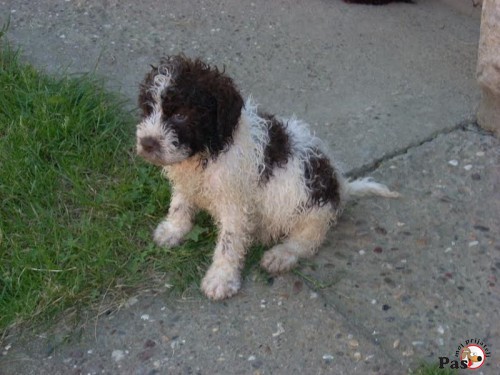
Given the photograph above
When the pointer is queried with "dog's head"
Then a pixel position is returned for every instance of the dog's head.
(187, 107)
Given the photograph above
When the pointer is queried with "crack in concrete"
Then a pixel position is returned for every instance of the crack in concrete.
(468, 124)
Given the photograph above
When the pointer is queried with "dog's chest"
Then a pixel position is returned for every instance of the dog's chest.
(196, 182)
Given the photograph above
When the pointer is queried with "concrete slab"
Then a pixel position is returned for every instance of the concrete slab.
(280, 329)
(370, 80)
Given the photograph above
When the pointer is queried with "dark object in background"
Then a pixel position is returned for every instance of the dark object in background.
(377, 2)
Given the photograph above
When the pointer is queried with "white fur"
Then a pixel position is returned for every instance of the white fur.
(366, 186)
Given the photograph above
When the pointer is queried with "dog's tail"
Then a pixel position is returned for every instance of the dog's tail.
(366, 186)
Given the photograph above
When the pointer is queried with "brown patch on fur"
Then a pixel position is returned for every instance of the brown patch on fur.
(277, 151)
(210, 99)
(321, 180)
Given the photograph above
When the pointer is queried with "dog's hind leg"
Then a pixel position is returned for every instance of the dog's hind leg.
(302, 242)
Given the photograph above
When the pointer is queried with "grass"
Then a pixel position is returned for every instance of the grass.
(77, 207)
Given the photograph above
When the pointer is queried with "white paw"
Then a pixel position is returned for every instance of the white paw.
(168, 235)
(278, 259)
(221, 281)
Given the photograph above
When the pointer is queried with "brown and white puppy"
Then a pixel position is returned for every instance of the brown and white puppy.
(264, 179)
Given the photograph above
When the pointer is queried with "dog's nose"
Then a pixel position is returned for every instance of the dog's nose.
(149, 144)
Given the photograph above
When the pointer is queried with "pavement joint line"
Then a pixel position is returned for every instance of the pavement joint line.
(368, 168)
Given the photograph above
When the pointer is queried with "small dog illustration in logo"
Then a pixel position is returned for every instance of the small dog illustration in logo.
(473, 355)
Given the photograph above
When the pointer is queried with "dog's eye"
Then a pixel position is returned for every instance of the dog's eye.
(175, 144)
(146, 108)
(178, 117)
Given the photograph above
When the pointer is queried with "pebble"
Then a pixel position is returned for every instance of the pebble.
(297, 287)
(251, 358)
(362, 252)
(280, 330)
(473, 243)
(118, 355)
(144, 317)
(480, 153)
(357, 356)
(149, 343)
(395, 344)
(131, 301)
(353, 343)
(453, 162)
(468, 167)
(476, 176)
(440, 330)
(408, 353)
(328, 358)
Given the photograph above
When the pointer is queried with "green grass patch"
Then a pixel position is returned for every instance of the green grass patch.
(77, 207)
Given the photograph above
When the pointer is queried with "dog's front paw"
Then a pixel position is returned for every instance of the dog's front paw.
(168, 235)
(278, 259)
(221, 281)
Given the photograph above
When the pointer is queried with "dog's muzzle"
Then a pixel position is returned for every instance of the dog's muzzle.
(150, 145)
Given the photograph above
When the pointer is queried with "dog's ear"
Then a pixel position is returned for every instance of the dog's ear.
(229, 105)
(145, 99)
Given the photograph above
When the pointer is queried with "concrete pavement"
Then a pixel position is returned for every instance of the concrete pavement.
(392, 90)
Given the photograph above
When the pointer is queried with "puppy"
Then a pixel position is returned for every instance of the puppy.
(264, 179)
